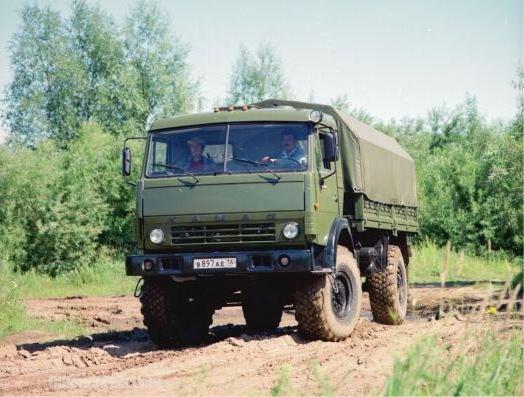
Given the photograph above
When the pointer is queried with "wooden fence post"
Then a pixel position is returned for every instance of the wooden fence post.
(460, 263)
(445, 265)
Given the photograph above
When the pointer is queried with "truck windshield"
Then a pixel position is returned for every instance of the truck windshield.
(233, 148)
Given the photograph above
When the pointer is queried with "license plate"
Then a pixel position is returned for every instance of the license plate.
(215, 263)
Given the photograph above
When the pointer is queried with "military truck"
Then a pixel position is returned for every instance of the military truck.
(278, 204)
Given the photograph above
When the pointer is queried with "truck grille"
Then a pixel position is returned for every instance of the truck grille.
(232, 233)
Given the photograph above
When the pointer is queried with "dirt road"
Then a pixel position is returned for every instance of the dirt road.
(118, 358)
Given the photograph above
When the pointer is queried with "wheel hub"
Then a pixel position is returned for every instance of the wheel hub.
(340, 297)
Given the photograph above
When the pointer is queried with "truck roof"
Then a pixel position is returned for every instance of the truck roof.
(237, 114)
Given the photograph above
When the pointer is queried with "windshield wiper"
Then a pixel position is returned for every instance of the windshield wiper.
(257, 163)
(174, 167)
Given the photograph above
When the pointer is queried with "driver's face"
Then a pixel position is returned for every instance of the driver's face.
(196, 150)
(288, 142)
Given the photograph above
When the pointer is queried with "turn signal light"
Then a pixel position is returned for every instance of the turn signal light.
(284, 260)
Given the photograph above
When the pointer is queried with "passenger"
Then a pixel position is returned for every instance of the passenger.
(196, 161)
(291, 150)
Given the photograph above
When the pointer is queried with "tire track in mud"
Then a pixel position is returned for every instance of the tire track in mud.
(117, 357)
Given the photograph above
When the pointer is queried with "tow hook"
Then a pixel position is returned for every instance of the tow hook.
(139, 287)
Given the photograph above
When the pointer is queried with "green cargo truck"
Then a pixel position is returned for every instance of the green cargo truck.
(271, 205)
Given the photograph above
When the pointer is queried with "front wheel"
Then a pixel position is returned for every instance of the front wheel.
(327, 307)
(173, 315)
(262, 308)
(388, 290)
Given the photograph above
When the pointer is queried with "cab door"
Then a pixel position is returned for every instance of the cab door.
(328, 192)
(327, 206)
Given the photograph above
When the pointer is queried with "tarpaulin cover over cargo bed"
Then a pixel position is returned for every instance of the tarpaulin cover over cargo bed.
(374, 163)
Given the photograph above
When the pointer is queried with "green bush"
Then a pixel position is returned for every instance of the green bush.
(60, 206)
(469, 174)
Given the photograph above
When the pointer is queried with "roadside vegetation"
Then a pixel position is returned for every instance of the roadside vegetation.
(14, 317)
(105, 278)
(482, 362)
(432, 263)
(319, 382)
(479, 362)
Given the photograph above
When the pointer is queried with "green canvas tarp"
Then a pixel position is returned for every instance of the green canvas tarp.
(374, 163)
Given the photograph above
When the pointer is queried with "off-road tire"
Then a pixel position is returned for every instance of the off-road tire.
(388, 290)
(172, 317)
(314, 308)
(262, 308)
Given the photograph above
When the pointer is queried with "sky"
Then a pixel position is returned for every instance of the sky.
(394, 58)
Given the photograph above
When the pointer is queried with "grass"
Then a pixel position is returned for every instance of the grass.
(14, 317)
(321, 385)
(322, 379)
(282, 385)
(427, 264)
(105, 278)
(483, 363)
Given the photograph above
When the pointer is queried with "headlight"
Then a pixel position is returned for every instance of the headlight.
(290, 231)
(156, 236)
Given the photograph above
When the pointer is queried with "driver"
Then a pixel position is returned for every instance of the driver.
(197, 161)
(290, 150)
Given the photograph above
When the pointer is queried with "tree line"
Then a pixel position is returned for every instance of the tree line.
(82, 83)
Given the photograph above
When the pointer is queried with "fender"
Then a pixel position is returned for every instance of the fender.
(338, 226)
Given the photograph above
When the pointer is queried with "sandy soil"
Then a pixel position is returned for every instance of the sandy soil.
(118, 358)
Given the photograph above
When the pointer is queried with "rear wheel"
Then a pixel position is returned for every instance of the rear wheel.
(388, 290)
(172, 316)
(262, 308)
(327, 307)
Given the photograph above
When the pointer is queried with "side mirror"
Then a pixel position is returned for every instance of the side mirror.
(126, 161)
(330, 146)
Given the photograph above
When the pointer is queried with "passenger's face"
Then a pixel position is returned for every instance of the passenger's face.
(196, 150)
(288, 142)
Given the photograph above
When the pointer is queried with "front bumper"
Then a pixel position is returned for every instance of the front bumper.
(247, 262)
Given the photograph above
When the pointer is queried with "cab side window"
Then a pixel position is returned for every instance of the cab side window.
(324, 163)
(317, 153)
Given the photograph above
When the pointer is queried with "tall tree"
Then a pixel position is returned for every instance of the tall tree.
(257, 77)
(110, 96)
(42, 99)
(158, 59)
(95, 43)
(518, 85)
(84, 68)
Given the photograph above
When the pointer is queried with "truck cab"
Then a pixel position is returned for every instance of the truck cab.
(249, 206)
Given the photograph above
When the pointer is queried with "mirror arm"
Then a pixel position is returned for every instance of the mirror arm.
(133, 138)
(323, 178)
